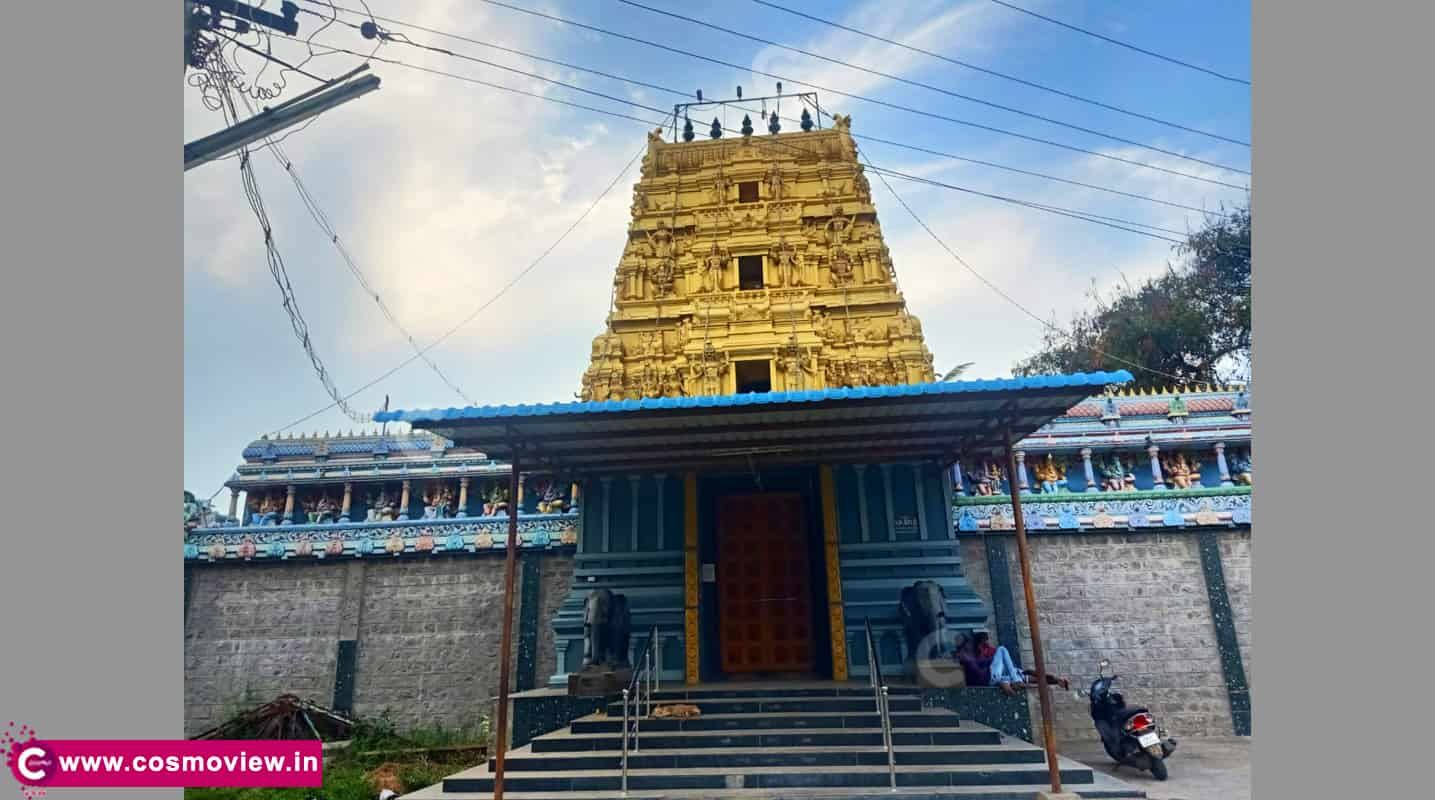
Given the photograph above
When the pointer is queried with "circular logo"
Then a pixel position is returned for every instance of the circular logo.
(34, 764)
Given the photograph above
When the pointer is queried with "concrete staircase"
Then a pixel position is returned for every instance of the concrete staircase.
(797, 741)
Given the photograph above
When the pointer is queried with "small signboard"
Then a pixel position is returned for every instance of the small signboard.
(905, 523)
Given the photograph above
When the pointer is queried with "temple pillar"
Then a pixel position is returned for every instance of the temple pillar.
(573, 496)
(234, 502)
(288, 518)
(1157, 482)
(462, 497)
(1225, 471)
(1021, 472)
(633, 486)
(404, 501)
(519, 499)
(348, 501)
(1086, 467)
(957, 479)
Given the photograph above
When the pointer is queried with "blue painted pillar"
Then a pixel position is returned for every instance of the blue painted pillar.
(607, 510)
(1021, 471)
(957, 479)
(1157, 482)
(1086, 467)
(1225, 471)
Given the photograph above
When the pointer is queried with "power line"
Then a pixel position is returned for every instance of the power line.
(860, 137)
(1110, 222)
(586, 212)
(276, 261)
(322, 220)
(1066, 212)
(1033, 84)
(891, 77)
(1119, 43)
(998, 289)
(874, 101)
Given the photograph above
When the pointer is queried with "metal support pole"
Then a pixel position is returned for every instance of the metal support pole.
(887, 736)
(625, 741)
(505, 646)
(1042, 690)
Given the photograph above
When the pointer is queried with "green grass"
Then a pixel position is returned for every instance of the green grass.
(344, 776)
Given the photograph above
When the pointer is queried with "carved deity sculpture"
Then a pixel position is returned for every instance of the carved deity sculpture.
(785, 257)
(550, 496)
(1050, 474)
(438, 502)
(664, 272)
(320, 510)
(841, 266)
(862, 188)
(774, 180)
(720, 187)
(713, 265)
(790, 362)
(673, 382)
(269, 509)
(495, 499)
(708, 371)
(1240, 466)
(1181, 474)
(1115, 477)
(382, 507)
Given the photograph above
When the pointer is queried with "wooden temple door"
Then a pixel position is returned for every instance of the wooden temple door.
(764, 584)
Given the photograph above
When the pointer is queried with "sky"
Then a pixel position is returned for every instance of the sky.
(443, 190)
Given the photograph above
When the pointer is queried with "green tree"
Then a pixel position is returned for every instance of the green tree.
(1190, 324)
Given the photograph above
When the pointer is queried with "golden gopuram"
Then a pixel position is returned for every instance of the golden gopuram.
(754, 262)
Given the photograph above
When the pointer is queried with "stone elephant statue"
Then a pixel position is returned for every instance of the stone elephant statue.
(923, 611)
(607, 626)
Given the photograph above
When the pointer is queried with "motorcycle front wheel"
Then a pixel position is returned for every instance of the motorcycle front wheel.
(1158, 768)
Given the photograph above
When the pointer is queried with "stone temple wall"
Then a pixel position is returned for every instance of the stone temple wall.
(427, 634)
(1141, 601)
(427, 630)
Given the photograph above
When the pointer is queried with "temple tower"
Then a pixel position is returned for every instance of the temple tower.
(754, 262)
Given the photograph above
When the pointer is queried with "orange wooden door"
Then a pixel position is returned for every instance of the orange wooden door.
(764, 584)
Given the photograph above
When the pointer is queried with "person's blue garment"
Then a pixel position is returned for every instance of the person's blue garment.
(1004, 670)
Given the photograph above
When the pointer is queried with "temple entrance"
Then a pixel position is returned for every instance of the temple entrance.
(765, 604)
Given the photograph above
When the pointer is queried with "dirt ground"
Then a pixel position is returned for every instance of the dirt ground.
(1205, 768)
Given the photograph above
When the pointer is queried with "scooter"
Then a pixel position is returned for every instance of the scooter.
(1129, 735)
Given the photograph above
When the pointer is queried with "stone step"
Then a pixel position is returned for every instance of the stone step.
(787, 704)
(680, 694)
(585, 781)
(831, 756)
(928, 718)
(1104, 788)
(565, 741)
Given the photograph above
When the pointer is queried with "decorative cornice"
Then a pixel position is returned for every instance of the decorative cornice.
(406, 538)
(1203, 508)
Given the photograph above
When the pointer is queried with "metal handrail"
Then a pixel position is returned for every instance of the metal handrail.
(879, 695)
(645, 679)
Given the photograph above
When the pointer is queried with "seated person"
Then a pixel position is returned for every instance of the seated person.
(985, 665)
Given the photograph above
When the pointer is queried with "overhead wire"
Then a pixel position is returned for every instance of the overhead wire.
(275, 259)
(500, 293)
(859, 137)
(322, 220)
(933, 88)
(1004, 76)
(998, 290)
(1066, 212)
(1120, 43)
(874, 101)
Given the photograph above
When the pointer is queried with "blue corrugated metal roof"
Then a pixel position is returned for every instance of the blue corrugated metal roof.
(1080, 379)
